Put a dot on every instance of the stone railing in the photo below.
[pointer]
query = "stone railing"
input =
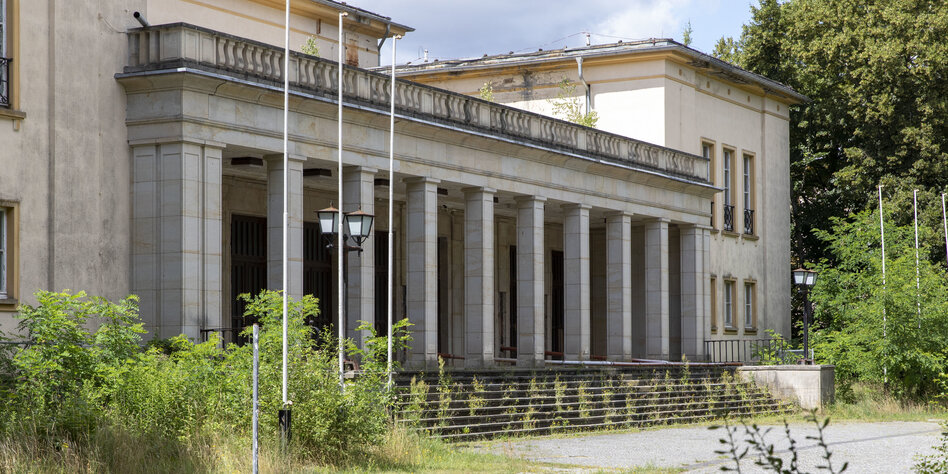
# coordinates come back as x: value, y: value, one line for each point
x: 182, y: 45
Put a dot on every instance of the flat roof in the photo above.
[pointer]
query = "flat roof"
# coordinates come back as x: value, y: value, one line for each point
x: 698, y: 59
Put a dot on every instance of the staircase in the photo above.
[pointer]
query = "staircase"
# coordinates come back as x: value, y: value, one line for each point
x: 465, y: 404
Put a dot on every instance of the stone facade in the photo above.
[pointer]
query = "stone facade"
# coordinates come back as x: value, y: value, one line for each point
x: 516, y: 236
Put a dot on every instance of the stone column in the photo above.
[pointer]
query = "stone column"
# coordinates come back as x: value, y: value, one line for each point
x: 294, y: 207
x: 176, y: 236
x: 531, y: 343
x: 619, y: 286
x: 479, y: 276
x: 576, y: 329
x: 422, y: 285
x: 694, y: 280
x: 358, y: 192
x: 656, y: 289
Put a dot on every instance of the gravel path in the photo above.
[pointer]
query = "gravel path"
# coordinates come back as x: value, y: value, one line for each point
x: 880, y: 447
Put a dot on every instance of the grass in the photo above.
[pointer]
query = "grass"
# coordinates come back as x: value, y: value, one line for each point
x: 113, y: 450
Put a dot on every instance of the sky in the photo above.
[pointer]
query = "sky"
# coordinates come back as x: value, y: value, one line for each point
x: 451, y: 29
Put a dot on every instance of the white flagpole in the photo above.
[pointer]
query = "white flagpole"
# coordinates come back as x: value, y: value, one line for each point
x: 918, y: 302
x: 286, y: 115
x: 944, y: 220
x: 340, y: 243
x: 391, y: 219
x: 885, y: 373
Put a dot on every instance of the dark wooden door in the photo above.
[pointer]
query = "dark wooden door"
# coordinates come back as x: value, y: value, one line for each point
x: 248, y: 266
x: 557, y: 301
x: 317, y: 274
x: 381, y: 282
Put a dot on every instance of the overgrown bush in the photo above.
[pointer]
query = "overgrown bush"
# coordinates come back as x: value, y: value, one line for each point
x: 71, y: 383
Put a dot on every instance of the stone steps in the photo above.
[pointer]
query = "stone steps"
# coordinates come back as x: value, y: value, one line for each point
x: 463, y: 405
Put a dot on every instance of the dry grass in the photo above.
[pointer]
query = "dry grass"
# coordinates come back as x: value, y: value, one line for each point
x: 114, y: 450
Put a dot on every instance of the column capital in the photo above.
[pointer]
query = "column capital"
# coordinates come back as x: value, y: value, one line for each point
x: 618, y: 214
x: 278, y: 157
x: 658, y: 219
x: 529, y: 199
x: 421, y: 180
x: 359, y: 169
x: 576, y: 205
x: 478, y: 189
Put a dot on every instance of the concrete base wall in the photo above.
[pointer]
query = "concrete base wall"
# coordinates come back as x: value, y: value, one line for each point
x: 812, y: 386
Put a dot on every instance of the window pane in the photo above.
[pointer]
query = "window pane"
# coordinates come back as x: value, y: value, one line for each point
x: 748, y: 305
x: 3, y: 252
x: 747, y: 183
x: 727, y: 178
x: 728, y: 319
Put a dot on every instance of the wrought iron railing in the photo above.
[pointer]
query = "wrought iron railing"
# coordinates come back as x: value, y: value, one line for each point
x: 5, y: 82
x: 711, y: 223
x: 749, y: 221
x: 729, y: 218
x: 750, y: 351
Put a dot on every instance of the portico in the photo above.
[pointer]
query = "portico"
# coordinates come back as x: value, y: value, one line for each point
x: 518, y: 238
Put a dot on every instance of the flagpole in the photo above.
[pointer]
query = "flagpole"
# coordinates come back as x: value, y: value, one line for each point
x: 283, y: 415
x: 340, y: 242
x: 885, y: 373
x: 391, y: 220
x: 918, y: 302
x: 286, y: 104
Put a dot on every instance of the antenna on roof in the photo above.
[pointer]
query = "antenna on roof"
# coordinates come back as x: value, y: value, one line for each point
x: 587, y: 39
x: 426, y: 55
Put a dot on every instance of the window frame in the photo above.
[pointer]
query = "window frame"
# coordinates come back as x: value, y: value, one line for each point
x: 708, y: 151
x: 714, y: 304
x: 727, y: 167
x: 729, y: 304
x: 9, y: 213
x: 750, y: 305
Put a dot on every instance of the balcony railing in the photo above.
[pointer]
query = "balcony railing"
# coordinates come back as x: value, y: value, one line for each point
x: 751, y: 351
x: 5, y: 82
x: 729, y: 218
x: 749, y: 221
x: 180, y: 46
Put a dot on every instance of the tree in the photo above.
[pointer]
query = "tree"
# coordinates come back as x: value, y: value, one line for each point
x: 568, y: 107
x: 686, y: 34
x: 894, y: 333
x: 875, y: 72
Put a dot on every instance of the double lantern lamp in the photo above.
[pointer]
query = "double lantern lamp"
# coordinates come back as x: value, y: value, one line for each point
x: 358, y: 225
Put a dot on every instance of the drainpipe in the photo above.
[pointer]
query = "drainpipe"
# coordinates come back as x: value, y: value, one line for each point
x: 378, y: 48
x: 579, y: 64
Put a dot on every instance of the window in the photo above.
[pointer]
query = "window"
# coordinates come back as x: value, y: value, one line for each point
x: 4, y: 57
x: 728, y: 191
x: 8, y: 255
x: 707, y: 151
x: 748, y: 189
x: 714, y: 305
x: 728, y: 304
x: 3, y: 251
x: 750, y: 319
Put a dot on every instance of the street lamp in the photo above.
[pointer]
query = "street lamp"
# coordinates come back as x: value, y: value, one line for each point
x: 356, y: 225
x: 805, y: 279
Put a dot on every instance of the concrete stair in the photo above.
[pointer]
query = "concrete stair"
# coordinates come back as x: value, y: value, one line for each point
x: 464, y: 404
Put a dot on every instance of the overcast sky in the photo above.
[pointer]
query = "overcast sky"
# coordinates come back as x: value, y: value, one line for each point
x: 452, y: 29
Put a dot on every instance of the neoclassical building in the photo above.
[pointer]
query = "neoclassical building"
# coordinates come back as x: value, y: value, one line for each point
x: 148, y: 160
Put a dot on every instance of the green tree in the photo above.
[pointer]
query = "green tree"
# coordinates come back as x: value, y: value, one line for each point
x: 872, y: 332
x: 686, y: 34
x: 567, y: 106
x: 875, y: 72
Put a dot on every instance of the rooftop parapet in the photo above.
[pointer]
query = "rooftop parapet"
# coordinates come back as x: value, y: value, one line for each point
x: 169, y: 48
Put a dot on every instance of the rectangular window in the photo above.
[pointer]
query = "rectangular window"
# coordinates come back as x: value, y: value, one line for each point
x: 748, y: 189
x: 5, y: 50
x: 707, y: 151
x: 728, y: 304
x: 714, y: 305
x: 728, y: 199
x: 3, y: 252
x: 749, y: 306
x: 3, y: 28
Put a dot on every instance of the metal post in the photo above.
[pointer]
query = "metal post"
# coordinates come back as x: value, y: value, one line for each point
x: 341, y: 244
x: 807, y: 309
x: 885, y: 369
x: 391, y: 218
x: 345, y: 287
x: 256, y: 402
x: 918, y: 287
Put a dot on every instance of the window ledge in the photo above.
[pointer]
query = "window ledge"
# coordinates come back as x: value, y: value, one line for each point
x: 12, y: 115
x: 730, y: 331
x: 750, y: 236
x: 8, y: 304
x: 750, y: 331
x: 730, y: 233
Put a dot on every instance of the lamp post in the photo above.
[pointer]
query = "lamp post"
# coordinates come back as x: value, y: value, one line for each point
x: 356, y: 225
x: 805, y: 279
